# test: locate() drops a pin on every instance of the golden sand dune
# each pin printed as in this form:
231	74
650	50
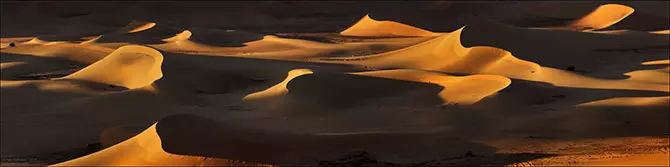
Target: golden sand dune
369	27
213	143
631	101
600	18
446	54
80	53
484	94
136	26
148	145
155	34
280	88
129	66
456	90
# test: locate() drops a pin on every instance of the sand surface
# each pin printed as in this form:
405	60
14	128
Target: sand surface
335	83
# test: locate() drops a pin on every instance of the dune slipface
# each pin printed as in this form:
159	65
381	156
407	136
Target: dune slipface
370	28
146	149
129	66
602	17
279	89
136	26
446	54
460	90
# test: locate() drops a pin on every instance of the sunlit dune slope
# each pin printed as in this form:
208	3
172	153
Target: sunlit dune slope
460	90
369	27
80	53
129	66
446	54
136	26
146	149
602	17
280	88
139	34
631	101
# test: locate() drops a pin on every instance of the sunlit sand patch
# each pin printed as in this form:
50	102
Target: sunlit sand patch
367	26
130	66
602	17
457	90
136	26
660	76
657	62
666	32
630	102
279	89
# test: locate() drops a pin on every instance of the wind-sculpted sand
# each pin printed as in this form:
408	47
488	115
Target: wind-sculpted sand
379	92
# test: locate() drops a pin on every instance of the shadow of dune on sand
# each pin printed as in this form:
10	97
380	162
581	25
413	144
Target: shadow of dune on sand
548	47
295	149
342	90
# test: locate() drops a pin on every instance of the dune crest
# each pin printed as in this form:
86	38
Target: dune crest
630	101
136	26
130	66
146	149
602	17
446	53
369	27
279	89
181	36
460	90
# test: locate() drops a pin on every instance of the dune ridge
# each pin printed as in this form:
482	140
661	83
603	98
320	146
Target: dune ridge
367	26
130	66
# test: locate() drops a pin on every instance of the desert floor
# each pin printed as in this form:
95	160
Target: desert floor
335	83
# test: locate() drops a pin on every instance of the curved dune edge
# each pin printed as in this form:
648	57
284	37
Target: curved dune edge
136	26
146	149
666	32
278	89
446	54
657	62
130	66
86	54
369	27
629	101
181	36
459	90
602	17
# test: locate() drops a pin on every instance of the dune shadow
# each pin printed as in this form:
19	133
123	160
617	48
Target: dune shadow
255	145
30	67
222	38
347	90
558	115
641	21
588	54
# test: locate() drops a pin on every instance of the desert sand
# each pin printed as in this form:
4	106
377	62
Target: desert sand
335	83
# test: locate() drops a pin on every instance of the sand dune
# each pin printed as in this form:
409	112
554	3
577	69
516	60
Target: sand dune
456	90
188	89
136	26
602	17
446	54
148	144
367	26
129	66
280	88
